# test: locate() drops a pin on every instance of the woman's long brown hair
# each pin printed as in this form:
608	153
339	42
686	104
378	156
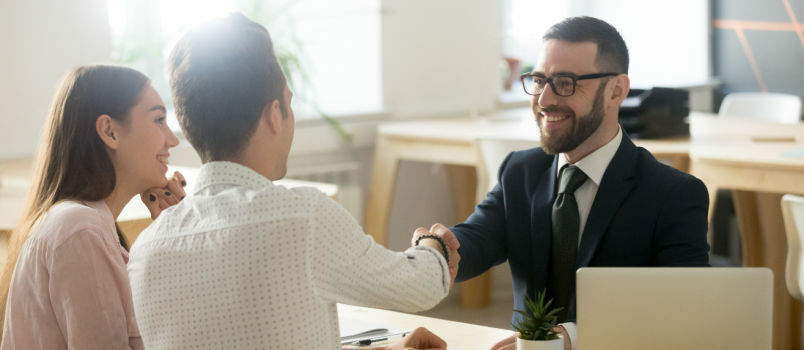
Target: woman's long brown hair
72	162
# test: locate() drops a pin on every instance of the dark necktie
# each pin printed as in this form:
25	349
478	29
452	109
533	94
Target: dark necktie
564	248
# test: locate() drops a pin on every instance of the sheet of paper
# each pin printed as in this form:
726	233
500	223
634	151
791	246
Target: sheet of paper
796	153
353	329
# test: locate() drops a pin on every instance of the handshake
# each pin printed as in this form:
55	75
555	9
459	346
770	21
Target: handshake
449	240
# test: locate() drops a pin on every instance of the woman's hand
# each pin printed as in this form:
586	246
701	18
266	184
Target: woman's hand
157	199
419	339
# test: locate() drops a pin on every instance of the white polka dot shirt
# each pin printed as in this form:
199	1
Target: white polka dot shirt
246	264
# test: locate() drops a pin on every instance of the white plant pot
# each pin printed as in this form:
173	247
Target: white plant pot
555	344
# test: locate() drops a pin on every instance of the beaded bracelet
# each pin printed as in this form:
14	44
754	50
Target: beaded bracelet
441	241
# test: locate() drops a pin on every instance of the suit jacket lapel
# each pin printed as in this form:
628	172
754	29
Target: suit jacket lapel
615	186
541	217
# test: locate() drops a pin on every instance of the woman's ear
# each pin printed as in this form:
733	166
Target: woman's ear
105	127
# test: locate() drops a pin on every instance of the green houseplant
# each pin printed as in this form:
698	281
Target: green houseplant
537	324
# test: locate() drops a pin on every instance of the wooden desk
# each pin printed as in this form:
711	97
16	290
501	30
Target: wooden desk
454	143
15	180
759	173
458	335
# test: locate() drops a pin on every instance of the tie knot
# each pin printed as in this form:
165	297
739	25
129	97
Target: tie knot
571	178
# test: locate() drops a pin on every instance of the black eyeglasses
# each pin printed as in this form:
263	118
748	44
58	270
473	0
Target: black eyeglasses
563	84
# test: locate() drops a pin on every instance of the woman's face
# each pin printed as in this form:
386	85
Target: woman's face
144	140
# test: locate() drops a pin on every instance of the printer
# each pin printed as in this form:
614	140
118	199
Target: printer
655	113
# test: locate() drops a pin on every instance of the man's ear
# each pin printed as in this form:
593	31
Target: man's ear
105	127
621	84
272	115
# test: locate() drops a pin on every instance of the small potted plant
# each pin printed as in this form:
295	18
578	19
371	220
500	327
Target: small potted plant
537	324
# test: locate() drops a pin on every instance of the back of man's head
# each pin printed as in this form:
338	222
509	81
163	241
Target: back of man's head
612	54
222	74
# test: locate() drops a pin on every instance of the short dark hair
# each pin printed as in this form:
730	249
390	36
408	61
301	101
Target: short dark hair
222	75
612	54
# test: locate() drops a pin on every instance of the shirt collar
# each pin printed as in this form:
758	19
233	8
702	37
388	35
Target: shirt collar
229	173
595	163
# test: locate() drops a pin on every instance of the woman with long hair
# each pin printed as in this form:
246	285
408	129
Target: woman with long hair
65	283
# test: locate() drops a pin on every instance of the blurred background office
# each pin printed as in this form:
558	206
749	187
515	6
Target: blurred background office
356	64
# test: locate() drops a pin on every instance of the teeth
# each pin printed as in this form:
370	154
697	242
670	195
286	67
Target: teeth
162	160
554	119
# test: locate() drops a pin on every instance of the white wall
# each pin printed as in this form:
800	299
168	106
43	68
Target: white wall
668	41
440	56
41	41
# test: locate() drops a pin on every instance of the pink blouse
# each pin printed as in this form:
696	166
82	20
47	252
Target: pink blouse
70	287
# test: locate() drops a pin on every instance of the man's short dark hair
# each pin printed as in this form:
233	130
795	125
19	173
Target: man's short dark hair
612	54
222	74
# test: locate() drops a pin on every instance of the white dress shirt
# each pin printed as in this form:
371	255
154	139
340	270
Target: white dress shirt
243	264
594	166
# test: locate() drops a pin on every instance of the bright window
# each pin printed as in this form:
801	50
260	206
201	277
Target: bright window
668	41
524	27
337	44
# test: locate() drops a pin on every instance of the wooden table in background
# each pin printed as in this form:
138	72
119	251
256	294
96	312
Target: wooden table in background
759	174
455	144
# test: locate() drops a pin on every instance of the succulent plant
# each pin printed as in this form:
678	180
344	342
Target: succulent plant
539	320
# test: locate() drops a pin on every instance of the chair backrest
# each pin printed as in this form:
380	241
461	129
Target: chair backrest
494	150
793	212
779	108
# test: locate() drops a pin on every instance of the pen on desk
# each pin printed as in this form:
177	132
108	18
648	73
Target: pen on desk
364	342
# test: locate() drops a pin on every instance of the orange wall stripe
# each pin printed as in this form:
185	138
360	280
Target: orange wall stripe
793	19
756	25
751	61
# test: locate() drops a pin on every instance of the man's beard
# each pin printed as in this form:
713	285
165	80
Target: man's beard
579	131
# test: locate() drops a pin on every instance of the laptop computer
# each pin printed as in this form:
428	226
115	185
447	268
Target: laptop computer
674	308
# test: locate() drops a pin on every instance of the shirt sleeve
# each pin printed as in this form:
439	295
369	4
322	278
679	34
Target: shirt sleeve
86	286
572	331
347	266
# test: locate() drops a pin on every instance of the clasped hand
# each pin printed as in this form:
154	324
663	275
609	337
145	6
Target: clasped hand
449	239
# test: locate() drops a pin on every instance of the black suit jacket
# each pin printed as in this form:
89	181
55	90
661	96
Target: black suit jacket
645	213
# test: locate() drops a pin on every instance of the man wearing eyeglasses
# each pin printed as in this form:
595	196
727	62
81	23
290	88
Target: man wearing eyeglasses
588	196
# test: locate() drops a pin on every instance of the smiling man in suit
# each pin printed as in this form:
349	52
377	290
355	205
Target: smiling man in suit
588	196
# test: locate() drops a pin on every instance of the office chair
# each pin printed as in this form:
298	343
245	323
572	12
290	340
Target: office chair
779	108
793	212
